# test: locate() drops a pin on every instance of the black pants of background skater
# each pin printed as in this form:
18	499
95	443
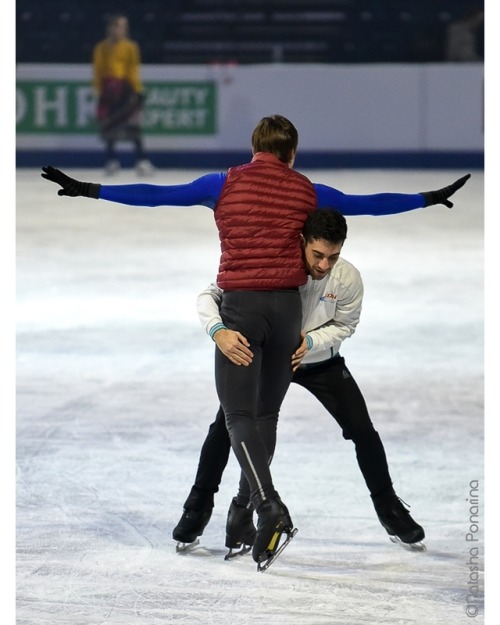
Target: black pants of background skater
333	385
251	396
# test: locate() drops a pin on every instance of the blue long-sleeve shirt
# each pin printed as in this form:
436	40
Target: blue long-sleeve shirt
205	191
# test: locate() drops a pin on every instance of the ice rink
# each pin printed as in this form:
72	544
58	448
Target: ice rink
115	394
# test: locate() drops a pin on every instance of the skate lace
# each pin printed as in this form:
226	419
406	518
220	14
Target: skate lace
404	506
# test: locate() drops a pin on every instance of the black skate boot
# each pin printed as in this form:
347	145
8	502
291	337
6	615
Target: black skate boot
190	526
396	520
274	520
240	530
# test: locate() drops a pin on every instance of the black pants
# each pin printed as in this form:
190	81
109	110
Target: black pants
251	397
118	113
333	385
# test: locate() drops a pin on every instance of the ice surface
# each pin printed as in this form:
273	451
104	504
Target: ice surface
115	394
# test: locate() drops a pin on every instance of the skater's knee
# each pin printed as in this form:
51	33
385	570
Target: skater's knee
363	434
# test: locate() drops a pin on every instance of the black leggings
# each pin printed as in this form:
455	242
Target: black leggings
251	397
332	384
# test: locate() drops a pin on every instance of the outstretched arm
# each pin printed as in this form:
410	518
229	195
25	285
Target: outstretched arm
384	203
203	191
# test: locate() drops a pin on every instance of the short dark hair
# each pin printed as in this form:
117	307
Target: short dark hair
275	134
325	223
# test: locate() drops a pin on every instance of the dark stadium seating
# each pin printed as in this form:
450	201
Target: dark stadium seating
242	31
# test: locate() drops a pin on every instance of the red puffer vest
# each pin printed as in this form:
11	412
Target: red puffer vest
260	215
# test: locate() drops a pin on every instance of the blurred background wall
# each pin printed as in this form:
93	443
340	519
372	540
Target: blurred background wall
368	83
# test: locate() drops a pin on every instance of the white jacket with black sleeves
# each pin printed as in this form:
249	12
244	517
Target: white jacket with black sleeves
331	309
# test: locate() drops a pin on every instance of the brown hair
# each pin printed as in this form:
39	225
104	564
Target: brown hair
275	134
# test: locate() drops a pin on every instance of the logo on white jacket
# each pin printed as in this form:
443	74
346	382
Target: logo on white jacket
328	297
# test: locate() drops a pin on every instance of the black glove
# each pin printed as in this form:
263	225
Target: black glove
441	195
70	186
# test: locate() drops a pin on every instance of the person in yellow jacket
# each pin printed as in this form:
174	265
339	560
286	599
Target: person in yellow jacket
116	77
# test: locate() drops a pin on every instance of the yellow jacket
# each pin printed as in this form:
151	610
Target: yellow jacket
119	60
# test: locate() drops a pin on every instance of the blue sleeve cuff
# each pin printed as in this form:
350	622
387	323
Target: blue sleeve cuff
309	341
216	328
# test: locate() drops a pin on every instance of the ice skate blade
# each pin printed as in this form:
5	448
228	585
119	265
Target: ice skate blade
418	546
186	547
232	554
266	563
